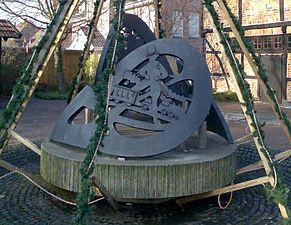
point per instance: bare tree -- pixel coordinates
(38, 13)
(173, 15)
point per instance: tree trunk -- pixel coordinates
(59, 68)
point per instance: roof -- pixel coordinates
(30, 34)
(75, 41)
(98, 39)
(8, 30)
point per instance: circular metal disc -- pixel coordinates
(150, 112)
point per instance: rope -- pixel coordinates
(228, 203)
(108, 90)
(6, 175)
(255, 121)
(46, 191)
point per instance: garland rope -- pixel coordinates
(27, 83)
(279, 191)
(75, 84)
(45, 190)
(261, 70)
(101, 112)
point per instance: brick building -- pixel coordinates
(271, 39)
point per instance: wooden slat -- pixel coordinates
(86, 51)
(41, 63)
(244, 139)
(231, 188)
(258, 165)
(257, 26)
(239, 93)
(25, 141)
(274, 105)
(109, 198)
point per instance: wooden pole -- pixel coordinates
(223, 190)
(285, 51)
(281, 156)
(274, 105)
(25, 141)
(251, 119)
(109, 198)
(0, 57)
(157, 14)
(243, 104)
(219, 62)
(39, 66)
(86, 51)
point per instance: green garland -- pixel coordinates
(74, 83)
(261, 69)
(280, 193)
(161, 31)
(101, 92)
(24, 83)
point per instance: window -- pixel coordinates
(289, 42)
(278, 42)
(257, 43)
(267, 41)
(177, 29)
(193, 25)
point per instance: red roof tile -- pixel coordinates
(8, 30)
(98, 39)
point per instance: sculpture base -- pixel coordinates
(170, 175)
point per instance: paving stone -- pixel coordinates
(23, 203)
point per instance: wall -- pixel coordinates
(254, 12)
(70, 63)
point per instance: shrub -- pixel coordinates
(227, 96)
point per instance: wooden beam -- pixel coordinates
(108, 197)
(219, 61)
(69, 196)
(240, 10)
(139, 5)
(54, 37)
(256, 26)
(281, 10)
(223, 190)
(25, 141)
(238, 90)
(157, 19)
(274, 105)
(244, 139)
(86, 50)
(281, 156)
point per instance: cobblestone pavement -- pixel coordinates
(23, 203)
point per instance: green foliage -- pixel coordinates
(280, 193)
(227, 96)
(81, 67)
(14, 61)
(261, 69)
(83, 208)
(90, 68)
(25, 83)
(50, 95)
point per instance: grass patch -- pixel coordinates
(51, 95)
(227, 96)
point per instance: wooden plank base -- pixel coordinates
(174, 174)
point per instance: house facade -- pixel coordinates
(267, 25)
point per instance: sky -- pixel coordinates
(27, 11)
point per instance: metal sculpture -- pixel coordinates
(143, 98)
(161, 91)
